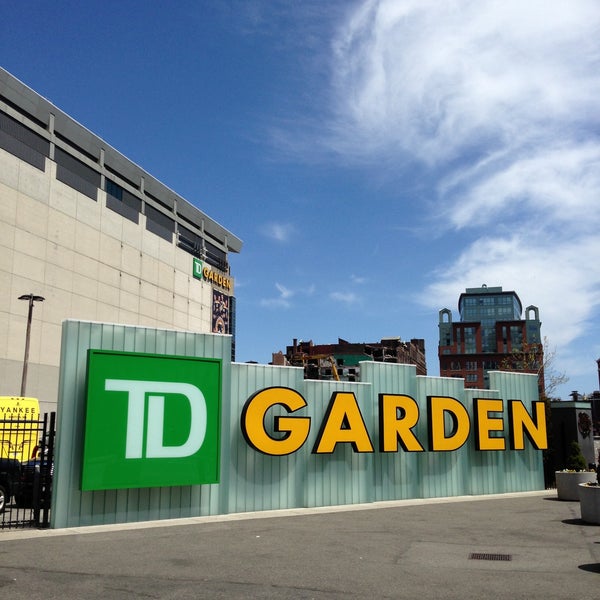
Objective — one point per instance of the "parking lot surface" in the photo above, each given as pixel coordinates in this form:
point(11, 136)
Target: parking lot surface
point(505, 546)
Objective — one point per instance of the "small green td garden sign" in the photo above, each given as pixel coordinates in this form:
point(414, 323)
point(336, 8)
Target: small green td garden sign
point(151, 420)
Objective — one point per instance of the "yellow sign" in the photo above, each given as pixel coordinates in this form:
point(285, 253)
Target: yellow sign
point(343, 423)
point(19, 431)
point(217, 278)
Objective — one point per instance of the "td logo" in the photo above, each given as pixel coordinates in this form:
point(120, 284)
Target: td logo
point(137, 392)
point(151, 421)
point(197, 268)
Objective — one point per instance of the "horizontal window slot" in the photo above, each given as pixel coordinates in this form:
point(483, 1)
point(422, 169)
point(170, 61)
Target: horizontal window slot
point(22, 151)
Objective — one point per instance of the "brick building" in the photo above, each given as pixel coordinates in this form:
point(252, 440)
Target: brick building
point(342, 360)
point(490, 336)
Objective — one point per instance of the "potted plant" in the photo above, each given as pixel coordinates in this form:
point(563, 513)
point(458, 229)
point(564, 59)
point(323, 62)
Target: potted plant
point(589, 498)
point(567, 481)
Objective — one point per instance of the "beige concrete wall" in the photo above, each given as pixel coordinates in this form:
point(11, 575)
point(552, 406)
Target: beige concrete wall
point(88, 263)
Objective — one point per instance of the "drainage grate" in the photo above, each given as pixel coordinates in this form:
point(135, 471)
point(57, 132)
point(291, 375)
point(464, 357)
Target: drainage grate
point(489, 556)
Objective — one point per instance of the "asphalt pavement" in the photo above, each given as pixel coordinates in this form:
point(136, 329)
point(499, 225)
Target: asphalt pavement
point(509, 546)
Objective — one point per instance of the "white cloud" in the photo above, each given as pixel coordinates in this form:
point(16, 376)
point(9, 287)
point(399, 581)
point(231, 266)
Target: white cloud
point(284, 299)
point(348, 298)
point(280, 301)
point(557, 186)
point(497, 100)
point(358, 280)
point(285, 292)
point(436, 79)
point(274, 303)
point(280, 232)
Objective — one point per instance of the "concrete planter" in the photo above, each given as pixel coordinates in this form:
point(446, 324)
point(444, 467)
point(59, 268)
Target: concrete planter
point(567, 483)
point(589, 501)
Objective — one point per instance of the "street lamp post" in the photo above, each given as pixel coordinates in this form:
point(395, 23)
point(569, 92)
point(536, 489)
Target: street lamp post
point(31, 299)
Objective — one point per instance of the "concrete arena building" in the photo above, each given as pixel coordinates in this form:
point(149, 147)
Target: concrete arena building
point(98, 238)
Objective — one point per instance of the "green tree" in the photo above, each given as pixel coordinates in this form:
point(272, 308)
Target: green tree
point(575, 460)
point(538, 359)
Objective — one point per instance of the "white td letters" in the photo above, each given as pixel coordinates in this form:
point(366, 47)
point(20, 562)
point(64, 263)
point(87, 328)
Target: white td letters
point(155, 447)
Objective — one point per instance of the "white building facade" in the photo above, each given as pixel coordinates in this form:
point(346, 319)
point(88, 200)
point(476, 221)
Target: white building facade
point(98, 238)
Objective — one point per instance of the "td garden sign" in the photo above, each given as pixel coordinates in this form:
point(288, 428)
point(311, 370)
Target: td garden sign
point(155, 421)
point(398, 416)
point(164, 424)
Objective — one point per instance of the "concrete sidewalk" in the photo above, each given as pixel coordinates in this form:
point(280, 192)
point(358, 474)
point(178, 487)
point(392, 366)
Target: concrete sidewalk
point(407, 549)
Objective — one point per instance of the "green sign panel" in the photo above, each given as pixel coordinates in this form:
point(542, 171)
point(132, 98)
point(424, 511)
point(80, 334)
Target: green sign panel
point(151, 421)
point(197, 268)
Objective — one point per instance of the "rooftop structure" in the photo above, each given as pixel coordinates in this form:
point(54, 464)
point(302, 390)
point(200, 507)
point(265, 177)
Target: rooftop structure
point(341, 361)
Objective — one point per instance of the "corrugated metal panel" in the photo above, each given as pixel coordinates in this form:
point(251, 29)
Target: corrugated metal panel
point(257, 481)
point(70, 506)
point(396, 475)
point(485, 468)
point(523, 469)
point(343, 477)
point(442, 473)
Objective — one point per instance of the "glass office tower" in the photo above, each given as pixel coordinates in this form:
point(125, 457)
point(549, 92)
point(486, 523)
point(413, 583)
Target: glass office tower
point(491, 335)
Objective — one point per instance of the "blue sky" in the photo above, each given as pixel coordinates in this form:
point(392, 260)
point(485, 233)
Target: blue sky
point(376, 157)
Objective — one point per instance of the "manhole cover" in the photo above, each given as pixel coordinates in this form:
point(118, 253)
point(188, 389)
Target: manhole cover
point(489, 556)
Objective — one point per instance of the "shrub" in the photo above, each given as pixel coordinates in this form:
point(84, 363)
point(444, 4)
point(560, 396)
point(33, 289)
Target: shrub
point(575, 460)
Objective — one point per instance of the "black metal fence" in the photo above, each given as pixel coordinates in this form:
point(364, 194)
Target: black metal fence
point(26, 470)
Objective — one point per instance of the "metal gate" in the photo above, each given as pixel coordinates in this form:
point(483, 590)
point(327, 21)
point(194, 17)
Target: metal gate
point(26, 470)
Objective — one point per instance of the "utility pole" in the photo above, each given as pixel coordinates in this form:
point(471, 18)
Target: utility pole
point(31, 299)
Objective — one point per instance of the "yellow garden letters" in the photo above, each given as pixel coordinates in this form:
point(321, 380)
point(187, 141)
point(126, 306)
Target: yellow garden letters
point(449, 424)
